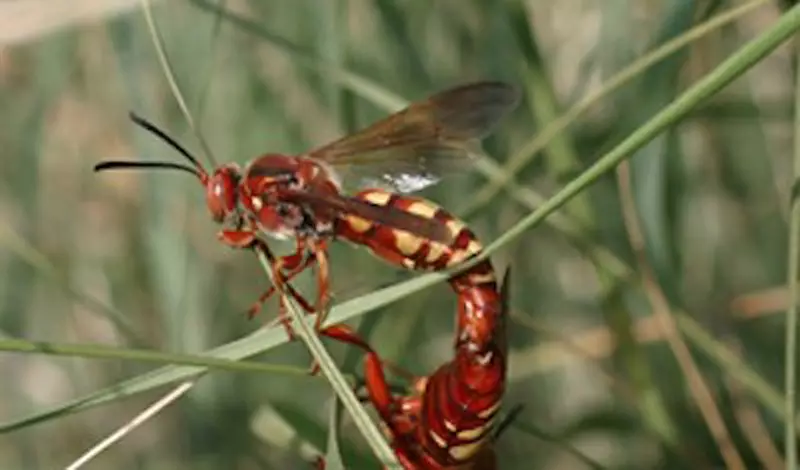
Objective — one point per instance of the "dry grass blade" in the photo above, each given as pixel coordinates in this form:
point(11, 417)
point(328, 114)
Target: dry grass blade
point(137, 421)
point(661, 311)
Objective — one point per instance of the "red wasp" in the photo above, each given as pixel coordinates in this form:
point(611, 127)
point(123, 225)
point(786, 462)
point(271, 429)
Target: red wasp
point(300, 196)
point(448, 420)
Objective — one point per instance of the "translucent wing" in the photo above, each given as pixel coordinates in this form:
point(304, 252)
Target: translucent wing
point(413, 148)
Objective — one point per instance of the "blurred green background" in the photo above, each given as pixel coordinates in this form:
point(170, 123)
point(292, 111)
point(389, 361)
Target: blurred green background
point(692, 232)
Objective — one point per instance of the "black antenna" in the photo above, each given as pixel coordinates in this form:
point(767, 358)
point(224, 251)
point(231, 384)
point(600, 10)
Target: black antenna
point(147, 125)
point(196, 169)
point(118, 164)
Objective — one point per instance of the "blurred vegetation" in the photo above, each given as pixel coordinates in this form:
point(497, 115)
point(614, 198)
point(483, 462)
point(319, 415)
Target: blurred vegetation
point(647, 329)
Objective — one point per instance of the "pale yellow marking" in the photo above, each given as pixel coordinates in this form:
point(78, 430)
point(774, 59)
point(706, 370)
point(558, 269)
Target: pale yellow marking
point(409, 263)
point(407, 242)
point(473, 247)
point(455, 227)
point(435, 251)
point(423, 209)
point(380, 198)
point(475, 433)
point(256, 201)
point(358, 224)
point(457, 257)
point(484, 278)
point(466, 451)
point(439, 440)
point(449, 425)
point(489, 411)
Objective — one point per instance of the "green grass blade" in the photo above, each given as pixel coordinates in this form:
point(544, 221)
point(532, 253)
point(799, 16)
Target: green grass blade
point(333, 456)
point(95, 351)
point(251, 345)
point(328, 367)
point(792, 281)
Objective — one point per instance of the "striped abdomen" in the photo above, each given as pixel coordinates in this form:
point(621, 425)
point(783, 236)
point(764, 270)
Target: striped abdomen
point(409, 250)
point(461, 400)
point(476, 287)
point(458, 405)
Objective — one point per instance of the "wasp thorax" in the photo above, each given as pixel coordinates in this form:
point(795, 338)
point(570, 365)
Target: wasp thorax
point(222, 192)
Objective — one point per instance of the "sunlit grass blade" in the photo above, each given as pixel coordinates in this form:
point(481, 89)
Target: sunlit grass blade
point(130, 426)
point(328, 367)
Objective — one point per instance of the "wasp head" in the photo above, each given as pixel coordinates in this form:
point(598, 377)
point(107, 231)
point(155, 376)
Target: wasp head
point(222, 192)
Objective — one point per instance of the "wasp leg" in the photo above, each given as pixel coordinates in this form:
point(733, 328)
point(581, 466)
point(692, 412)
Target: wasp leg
point(256, 307)
point(238, 238)
point(374, 379)
point(320, 253)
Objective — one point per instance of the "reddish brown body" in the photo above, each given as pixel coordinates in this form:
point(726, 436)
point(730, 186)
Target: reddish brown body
point(447, 421)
